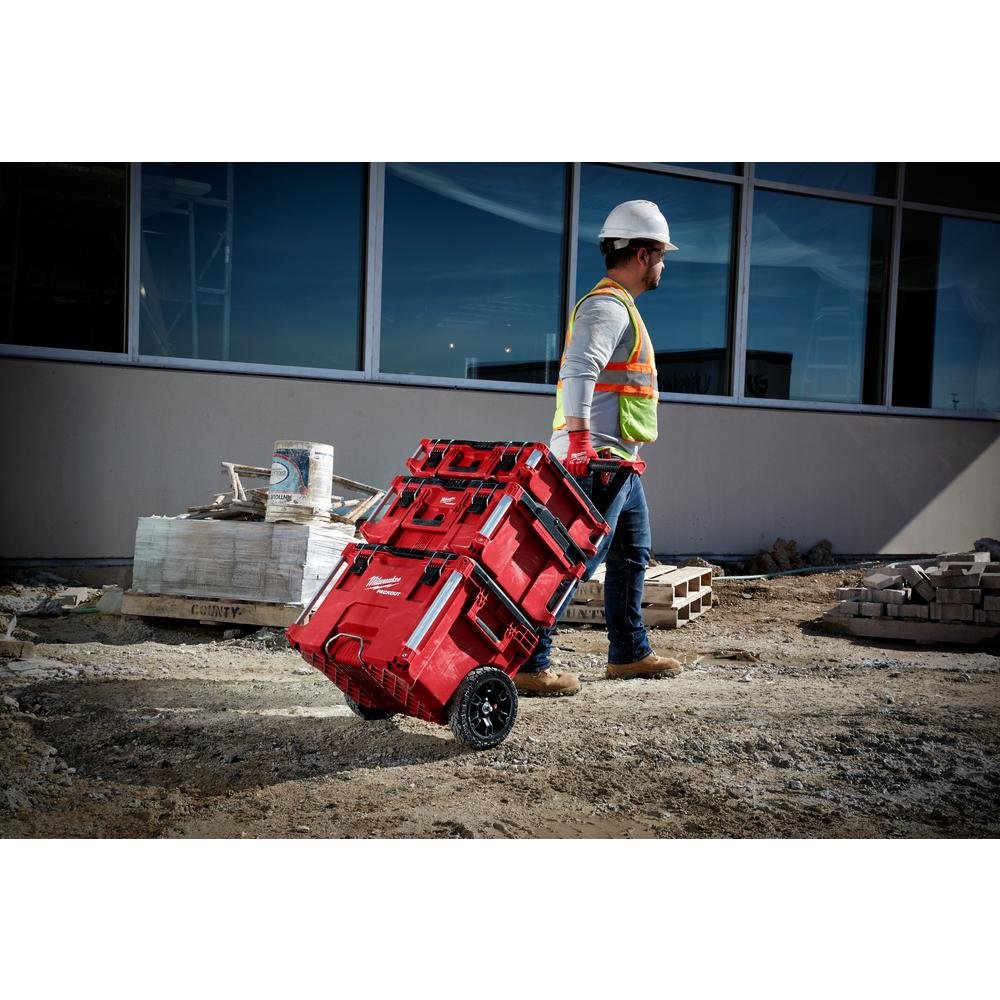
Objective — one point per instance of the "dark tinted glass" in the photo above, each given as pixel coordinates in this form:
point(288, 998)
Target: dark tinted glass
point(973, 186)
point(859, 178)
point(817, 278)
point(63, 234)
point(252, 262)
point(947, 351)
point(688, 316)
point(472, 281)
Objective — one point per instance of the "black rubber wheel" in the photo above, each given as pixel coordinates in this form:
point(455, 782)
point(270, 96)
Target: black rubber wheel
point(484, 708)
point(366, 713)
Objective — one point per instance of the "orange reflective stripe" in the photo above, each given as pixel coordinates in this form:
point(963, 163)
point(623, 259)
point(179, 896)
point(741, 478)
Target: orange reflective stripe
point(627, 366)
point(626, 390)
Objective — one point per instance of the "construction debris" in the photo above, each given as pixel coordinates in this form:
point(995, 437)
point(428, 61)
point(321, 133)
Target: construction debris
point(15, 649)
point(784, 555)
point(240, 503)
point(671, 597)
point(954, 599)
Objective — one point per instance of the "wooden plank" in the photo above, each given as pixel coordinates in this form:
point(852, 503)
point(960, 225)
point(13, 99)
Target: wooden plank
point(253, 471)
point(352, 484)
point(659, 586)
point(914, 631)
point(653, 616)
point(595, 598)
point(206, 609)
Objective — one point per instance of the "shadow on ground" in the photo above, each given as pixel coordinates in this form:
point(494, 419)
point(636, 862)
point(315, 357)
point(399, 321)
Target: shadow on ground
point(186, 735)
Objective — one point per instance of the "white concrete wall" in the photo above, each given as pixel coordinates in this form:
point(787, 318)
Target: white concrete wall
point(89, 448)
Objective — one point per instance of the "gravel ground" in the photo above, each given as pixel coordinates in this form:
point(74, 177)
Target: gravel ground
point(125, 727)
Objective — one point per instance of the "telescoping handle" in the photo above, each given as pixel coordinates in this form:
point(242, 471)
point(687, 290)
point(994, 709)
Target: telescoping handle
point(638, 466)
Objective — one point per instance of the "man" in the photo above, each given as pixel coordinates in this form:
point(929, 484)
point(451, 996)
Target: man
point(606, 403)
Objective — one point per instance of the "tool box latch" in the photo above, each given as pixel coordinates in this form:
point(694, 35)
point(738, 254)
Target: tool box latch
point(360, 564)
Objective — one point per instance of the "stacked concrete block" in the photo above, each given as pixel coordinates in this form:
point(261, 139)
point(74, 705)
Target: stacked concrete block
point(989, 614)
point(920, 586)
point(957, 599)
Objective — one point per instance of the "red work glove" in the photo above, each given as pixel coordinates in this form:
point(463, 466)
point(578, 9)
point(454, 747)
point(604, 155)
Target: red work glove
point(581, 453)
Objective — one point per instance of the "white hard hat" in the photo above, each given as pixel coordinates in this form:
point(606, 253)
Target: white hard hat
point(636, 220)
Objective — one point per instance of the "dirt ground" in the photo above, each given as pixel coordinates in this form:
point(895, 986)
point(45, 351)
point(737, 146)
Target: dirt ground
point(127, 727)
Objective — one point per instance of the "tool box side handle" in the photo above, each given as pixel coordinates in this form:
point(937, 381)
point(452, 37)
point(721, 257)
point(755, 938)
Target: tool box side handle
point(555, 529)
point(515, 611)
point(345, 635)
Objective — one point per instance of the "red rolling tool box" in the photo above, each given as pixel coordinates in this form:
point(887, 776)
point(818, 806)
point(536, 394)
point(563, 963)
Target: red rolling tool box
point(487, 542)
point(529, 464)
point(404, 631)
point(523, 548)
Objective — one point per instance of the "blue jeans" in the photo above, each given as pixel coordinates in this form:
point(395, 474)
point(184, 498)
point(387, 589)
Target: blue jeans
point(625, 550)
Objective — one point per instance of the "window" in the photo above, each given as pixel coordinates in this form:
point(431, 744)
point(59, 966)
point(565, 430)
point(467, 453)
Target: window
point(817, 279)
point(858, 178)
point(688, 316)
point(63, 236)
point(252, 262)
point(472, 272)
point(719, 168)
point(947, 352)
point(973, 186)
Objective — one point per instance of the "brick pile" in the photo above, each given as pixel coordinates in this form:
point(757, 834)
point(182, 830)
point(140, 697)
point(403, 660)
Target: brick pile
point(957, 599)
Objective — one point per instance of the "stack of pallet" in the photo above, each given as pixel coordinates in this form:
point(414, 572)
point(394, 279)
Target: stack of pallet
point(956, 599)
point(671, 597)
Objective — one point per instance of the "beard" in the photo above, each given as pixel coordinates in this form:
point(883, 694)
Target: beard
point(651, 279)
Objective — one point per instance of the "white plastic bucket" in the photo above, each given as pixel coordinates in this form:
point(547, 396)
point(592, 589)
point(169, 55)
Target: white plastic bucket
point(301, 481)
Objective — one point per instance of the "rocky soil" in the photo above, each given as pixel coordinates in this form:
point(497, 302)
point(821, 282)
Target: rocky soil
point(125, 727)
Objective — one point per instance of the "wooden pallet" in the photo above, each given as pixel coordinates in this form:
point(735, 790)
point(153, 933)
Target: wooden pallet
point(210, 610)
point(671, 597)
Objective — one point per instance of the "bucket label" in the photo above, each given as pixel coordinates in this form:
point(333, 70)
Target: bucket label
point(289, 473)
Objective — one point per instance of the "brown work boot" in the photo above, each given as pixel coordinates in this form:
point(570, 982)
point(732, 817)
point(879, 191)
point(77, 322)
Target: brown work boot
point(648, 666)
point(547, 682)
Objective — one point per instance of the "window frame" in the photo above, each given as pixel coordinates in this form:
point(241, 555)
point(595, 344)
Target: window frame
point(371, 298)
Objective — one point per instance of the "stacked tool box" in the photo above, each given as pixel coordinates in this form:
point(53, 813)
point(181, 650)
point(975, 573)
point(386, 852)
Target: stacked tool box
point(468, 558)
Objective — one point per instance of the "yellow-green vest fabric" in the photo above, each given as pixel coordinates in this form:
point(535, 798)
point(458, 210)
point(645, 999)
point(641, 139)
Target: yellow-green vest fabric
point(634, 380)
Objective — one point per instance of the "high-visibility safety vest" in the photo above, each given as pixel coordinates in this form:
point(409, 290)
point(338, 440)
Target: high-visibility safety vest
point(634, 380)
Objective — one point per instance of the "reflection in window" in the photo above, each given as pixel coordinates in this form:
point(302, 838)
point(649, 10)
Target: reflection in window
point(948, 315)
point(973, 186)
point(719, 168)
point(63, 234)
point(688, 315)
point(471, 285)
point(859, 178)
point(252, 262)
point(817, 274)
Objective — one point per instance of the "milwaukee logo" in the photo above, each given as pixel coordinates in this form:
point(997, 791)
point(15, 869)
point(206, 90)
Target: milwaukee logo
point(380, 583)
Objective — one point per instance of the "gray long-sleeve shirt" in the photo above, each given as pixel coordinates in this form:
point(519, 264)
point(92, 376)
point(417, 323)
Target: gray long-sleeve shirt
point(602, 332)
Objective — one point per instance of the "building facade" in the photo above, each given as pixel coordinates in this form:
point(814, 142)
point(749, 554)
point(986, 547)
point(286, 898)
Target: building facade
point(828, 336)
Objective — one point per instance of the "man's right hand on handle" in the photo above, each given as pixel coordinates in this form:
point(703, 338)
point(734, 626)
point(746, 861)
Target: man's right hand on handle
point(581, 453)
